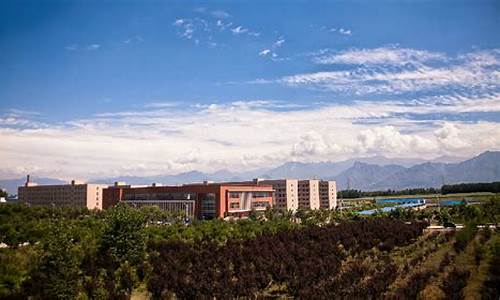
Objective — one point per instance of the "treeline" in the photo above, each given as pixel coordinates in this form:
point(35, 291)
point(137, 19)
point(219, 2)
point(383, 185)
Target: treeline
point(352, 193)
point(492, 187)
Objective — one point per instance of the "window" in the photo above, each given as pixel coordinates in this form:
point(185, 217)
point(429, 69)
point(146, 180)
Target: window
point(260, 204)
point(262, 194)
point(234, 205)
point(234, 195)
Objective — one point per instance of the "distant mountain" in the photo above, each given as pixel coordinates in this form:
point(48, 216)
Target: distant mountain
point(181, 178)
point(369, 173)
point(332, 169)
point(384, 161)
point(10, 185)
point(307, 170)
point(362, 175)
point(448, 159)
point(482, 168)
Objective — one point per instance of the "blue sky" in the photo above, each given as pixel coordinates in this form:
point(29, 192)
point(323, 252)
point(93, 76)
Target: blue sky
point(118, 85)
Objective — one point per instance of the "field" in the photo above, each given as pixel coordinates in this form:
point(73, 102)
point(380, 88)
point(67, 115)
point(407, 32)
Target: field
point(430, 198)
point(123, 253)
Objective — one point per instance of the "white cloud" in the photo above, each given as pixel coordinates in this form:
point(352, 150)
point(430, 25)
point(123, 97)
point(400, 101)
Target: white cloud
point(239, 135)
point(220, 14)
point(345, 31)
point(135, 39)
point(164, 104)
point(449, 137)
point(383, 55)
point(342, 31)
point(393, 71)
point(179, 22)
point(222, 25)
point(312, 144)
point(272, 51)
point(388, 139)
point(93, 47)
point(279, 42)
point(205, 31)
point(239, 30)
point(265, 52)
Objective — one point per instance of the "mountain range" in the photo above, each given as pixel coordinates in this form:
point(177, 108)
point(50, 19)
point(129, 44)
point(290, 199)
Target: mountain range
point(372, 173)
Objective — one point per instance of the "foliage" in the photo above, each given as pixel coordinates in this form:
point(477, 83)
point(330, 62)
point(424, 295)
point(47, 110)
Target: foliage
point(295, 258)
point(124, 239)
point(54, 273)
point(492, 187)
point(464, 236)
point(352, 193)
point(492, 285)
point(454, 282)
point(13, 271)
point(23, 224)
point(76, 253)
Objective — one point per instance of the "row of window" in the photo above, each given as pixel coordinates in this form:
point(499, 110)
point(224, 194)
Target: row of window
point(254, 194)
point(255, 204)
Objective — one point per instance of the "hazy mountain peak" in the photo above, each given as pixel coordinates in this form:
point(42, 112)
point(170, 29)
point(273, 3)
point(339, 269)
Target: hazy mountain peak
point(372, 173)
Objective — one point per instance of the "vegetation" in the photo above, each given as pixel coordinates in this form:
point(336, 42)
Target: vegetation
point(352, 193)
point(68, 253)
point(293, 259)
point(492, 187)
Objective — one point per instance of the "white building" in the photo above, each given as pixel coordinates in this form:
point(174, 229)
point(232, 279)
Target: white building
point(292, 194)
point(74, 194)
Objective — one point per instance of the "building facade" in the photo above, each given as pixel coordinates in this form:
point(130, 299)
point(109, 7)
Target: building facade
point(327, 194)
point(309, 194)
point(292, 194)
point(74, 194)
point(203, 201)
point(285, 193)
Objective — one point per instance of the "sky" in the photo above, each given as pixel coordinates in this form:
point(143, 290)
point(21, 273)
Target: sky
point(93, 89)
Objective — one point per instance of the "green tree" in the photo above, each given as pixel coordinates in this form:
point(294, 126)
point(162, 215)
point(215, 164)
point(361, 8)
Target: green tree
point(124, 238)
point(55, 270)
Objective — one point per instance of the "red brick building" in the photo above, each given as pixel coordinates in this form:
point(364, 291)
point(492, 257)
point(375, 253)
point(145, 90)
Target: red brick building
point(203, 201)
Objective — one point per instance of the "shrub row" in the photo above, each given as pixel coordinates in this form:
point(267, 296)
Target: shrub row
point(294, 259)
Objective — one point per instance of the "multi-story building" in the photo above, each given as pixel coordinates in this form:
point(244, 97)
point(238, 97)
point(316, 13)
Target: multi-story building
point(309, 194)
point(74, 194)
point(328, 194)
point(285, 193)
point(292, 194)
point(204, 201)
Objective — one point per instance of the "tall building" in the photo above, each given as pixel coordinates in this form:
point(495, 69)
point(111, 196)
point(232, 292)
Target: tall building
point(285, 193)
point(309, 194)
point(74, 194)
point(292, 194)
point(328, 194)
point(203, 201)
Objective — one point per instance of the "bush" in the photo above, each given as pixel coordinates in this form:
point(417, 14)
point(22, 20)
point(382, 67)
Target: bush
point(464, 236)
